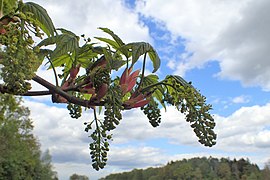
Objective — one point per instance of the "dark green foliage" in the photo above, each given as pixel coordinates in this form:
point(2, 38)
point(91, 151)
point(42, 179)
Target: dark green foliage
point(198, 169)
point(266, 171)
point(20, 155)
point(78, 177)
point(39, 16)
point(9, 6)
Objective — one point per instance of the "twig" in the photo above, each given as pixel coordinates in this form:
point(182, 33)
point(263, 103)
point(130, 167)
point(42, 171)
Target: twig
point(54, 89)
point(54, 71)
point(143, 70)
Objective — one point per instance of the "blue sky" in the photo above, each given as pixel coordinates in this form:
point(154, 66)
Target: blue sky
point(221, 46)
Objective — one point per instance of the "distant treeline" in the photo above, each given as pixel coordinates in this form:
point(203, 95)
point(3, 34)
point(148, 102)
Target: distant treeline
point(198, 169)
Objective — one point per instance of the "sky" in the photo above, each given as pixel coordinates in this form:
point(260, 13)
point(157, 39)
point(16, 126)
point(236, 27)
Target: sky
point(222, 46)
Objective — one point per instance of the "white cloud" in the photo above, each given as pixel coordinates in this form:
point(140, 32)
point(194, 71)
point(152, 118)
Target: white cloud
point(240, 99)
point(245, 46)
point(130, 157)
point(138, 128)
point(245, 130)
point(198, 22)
point(53, 124)
point(235, 33)
point(246, 127)
point(84, 17)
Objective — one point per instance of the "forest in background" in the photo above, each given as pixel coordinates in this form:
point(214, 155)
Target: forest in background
point(199, 169)
point(20, 154)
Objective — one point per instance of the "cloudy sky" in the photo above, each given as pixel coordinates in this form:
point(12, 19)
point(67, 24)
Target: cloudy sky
point(222, 46)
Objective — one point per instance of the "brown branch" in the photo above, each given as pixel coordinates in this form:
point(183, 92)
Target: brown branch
point(78, 86)
point(4, 89)
point(37, 93)
point(54, 89)
point(43, 93)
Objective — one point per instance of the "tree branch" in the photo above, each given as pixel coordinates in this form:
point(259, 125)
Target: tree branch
point(37, 93)
point(143, 69)
point(54, 89)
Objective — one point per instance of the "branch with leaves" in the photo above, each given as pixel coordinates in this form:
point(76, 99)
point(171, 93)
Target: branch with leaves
point(86, 77)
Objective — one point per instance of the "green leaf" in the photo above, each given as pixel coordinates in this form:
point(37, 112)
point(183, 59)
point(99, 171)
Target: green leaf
point(150, 79)
point(114, 36)
point(140, 48)
point(114, 44)
point(66, 43)
point(158, 94)
point(59, 40)
point(43, 53)
point(65, 31)
point(86, 96)
point(108, 57)
point(98, 50)
point(48, 41)
point(117, 63)
point(41, 17)
point(155, 59)
point(64, 59)
point(113, 61)
point(7, 7)
point(117, 44)
point(60, 55)
point(85, 54)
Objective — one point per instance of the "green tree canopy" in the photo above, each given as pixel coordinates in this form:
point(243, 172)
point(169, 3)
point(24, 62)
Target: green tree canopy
point(198, 169)
point(78, 177)
point(20, 155)
point(95, 87)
